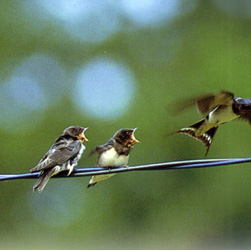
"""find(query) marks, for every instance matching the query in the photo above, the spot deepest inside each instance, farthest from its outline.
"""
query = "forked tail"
(43, 180)
(97, 178)
(206, 138)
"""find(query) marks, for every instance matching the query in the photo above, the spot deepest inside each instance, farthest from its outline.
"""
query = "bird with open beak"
(114, 153)
(62, 156)
(219, 108)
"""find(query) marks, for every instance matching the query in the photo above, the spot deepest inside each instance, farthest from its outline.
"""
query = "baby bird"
(114, 153)
(63, 155)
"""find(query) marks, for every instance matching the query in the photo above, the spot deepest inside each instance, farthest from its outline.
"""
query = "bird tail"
(201, 131)
(95, 179)
(91, 184)
(43, 180)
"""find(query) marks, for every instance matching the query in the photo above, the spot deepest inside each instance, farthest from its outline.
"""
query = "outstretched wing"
(58, 154)
(205, 103)
(208, 103)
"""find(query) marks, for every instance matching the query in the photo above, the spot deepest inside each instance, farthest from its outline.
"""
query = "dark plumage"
(62, 156)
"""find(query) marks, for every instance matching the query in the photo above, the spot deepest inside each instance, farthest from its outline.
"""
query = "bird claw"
(70, 171)
(109, 168)
(126, 167)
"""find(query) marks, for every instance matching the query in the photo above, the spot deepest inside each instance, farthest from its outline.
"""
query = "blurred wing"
(208, 103)
(205, 103)
(180, 106)
(58, 155)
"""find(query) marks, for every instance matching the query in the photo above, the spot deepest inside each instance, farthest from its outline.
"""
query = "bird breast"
(222, 114)
(111, 158)
(82, 148)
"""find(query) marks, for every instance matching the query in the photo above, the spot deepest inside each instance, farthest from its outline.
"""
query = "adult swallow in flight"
(219, 108)
(114, 153)
(62, 156)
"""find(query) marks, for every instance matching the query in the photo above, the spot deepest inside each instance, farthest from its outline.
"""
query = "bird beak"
(82, 135)
(134, 140)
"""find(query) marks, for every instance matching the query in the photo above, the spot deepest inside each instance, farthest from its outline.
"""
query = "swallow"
(114, 153)
(62, 156)
(219, 108)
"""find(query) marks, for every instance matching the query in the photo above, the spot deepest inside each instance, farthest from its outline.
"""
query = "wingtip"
(170, 134)
(92, 152)
(207, 150)
(34, 169)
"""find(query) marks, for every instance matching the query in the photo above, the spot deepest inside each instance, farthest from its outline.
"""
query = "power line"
(174, 165)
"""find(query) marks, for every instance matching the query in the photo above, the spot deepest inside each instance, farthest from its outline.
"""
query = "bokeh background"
(112, 64)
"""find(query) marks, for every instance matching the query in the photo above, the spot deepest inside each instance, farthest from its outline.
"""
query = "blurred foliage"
(199, 52)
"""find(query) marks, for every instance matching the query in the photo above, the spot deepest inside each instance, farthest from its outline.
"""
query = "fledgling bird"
(62, 156)
(114, 153)
(220, 108)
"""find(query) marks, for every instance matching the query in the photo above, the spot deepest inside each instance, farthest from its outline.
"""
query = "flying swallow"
(219, 108)
(62, 156)
(114, 153)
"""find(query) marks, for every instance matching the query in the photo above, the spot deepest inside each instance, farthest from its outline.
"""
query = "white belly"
(222, 115)
(111, 158)
(80, 152)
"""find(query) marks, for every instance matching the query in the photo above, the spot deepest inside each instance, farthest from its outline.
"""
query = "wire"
(174, 165)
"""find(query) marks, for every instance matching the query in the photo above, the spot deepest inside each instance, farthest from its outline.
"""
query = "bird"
(114, 153)
(218, 108)
(62, 156)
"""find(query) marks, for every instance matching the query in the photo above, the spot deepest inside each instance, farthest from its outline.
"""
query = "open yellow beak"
(134, 140)
(82, 135)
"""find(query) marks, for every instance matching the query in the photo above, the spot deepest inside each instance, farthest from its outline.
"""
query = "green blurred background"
(112, 64)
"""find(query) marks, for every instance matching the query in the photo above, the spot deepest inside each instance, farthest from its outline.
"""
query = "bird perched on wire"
(114, 153)
(62, 156)
(219, 108)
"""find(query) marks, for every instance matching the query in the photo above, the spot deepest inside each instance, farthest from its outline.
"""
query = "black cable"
(174, 165)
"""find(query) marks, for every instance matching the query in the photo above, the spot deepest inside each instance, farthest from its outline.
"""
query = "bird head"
(243, 105)
(126, 137)
(76, 132)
